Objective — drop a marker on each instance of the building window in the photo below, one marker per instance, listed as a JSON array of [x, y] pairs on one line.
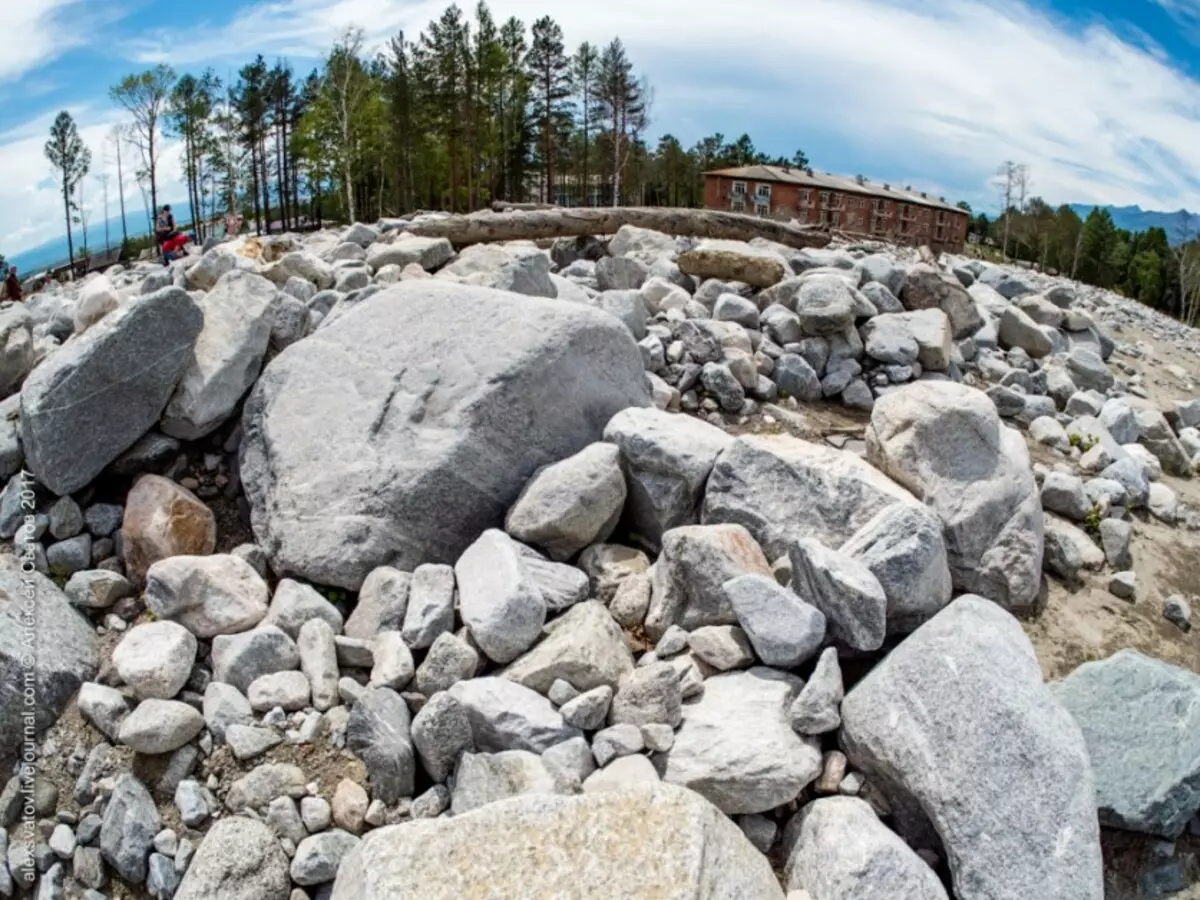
[[804, 199], [739, 189], [824, 198], [738, 206], [763, 192]]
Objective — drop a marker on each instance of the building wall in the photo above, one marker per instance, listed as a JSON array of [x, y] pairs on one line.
[[879, 218]]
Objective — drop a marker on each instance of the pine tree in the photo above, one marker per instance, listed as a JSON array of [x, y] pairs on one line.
[[249, 100], [621, 101], [446, 51], [71, 157], [584, 70], [189, 112], [548, 71]]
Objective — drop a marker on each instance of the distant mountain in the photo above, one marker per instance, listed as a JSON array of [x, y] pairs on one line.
[[1134, 218]]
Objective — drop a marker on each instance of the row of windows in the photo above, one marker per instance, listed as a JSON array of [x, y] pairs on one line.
[[762, 196]]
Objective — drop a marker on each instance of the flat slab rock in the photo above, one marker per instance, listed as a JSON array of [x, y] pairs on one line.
[[648, 841], [445, 399], [1141, 720], [1017, 816]]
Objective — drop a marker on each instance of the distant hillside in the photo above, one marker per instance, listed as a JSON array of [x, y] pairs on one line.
[[1134, 218]]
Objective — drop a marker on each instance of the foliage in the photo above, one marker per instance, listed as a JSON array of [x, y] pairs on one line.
[[144, 96], [71, 159]]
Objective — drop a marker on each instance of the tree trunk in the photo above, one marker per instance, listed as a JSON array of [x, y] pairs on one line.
[[121, 193], [254, 188], [67, 212], [540, 224]]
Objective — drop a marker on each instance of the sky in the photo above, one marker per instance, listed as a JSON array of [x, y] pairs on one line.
[[1101, 101]]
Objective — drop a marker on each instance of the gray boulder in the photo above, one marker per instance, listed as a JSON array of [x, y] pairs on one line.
[[782, 489], [1018, 330], [62, 644], [239, 859], [17, 354], [505, 715], [842, 588], [571, 504], [92, 399], [570, 847], [483, 778], [207, 595], [379, 733], [841, 851], [904, 338], [927, 288], [226, 358], [783, 629], [903, 547], [437, 453], [736, 747], [584, 647], [1017, 817], [428, 253], [945, 442], [498, 599], [689, 577], [127, 834], [666, 459], [1141, 719]]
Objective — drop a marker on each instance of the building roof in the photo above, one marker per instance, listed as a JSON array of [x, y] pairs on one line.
[[825, 181]]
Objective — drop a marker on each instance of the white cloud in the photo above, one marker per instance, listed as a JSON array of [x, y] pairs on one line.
[[31, 204], [949, 88], [37, 32]]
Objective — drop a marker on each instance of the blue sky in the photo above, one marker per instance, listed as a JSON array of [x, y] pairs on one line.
[[1101, 100]]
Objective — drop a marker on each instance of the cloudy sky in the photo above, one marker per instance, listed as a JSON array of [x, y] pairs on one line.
[[1101, 100]]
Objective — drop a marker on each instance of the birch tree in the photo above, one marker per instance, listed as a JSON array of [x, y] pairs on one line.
[[144, 96]]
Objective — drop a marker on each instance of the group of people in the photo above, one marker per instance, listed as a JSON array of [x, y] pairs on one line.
[[171, 243]]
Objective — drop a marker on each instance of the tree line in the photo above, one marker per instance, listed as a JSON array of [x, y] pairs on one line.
[[1160, 270]]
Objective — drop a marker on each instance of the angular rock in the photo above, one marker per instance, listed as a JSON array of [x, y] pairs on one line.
[[903, 547], [130, 823], [318, 856], [816, 708], [905, 338], [459, 434], [61, 645], [1018, 330], [575, 847], [844, 590], [782, 489], [379, 733], [923, 725], [226, 357], [430, 610], [484, 778], [695, 563], [88, 402], [498, 600], [163, 520], [584, 647], [382, 604], [945, 443], [287, 690], [784, 630], [428, 253], [667, 459], [225, 705], [155, 659], [505, 715], [295, 604], [736, 747], [1140, 718], [319, 662], [450, 659], [842, 850], [239, 659], [239, 859], [441, 732], [927, 288], [571, 504], [207, 595], [733, 261], [649, 695]]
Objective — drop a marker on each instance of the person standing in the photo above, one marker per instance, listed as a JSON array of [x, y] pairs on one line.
[[12, 285], [164, 229]]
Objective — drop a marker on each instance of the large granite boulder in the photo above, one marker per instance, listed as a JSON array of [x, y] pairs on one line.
[[647, 841], [736, 746], [38, 626], [92, 399], [238, 314], [841, 851], [927, 288], [945, 443], [443, 400], [1016, 814], [1141, 719], [783, 489], [239, 859]]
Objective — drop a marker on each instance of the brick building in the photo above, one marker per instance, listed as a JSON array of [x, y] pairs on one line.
[[858, 208]]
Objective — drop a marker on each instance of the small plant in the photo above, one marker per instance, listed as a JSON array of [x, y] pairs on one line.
[[1084, 442], [1091, 522]]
